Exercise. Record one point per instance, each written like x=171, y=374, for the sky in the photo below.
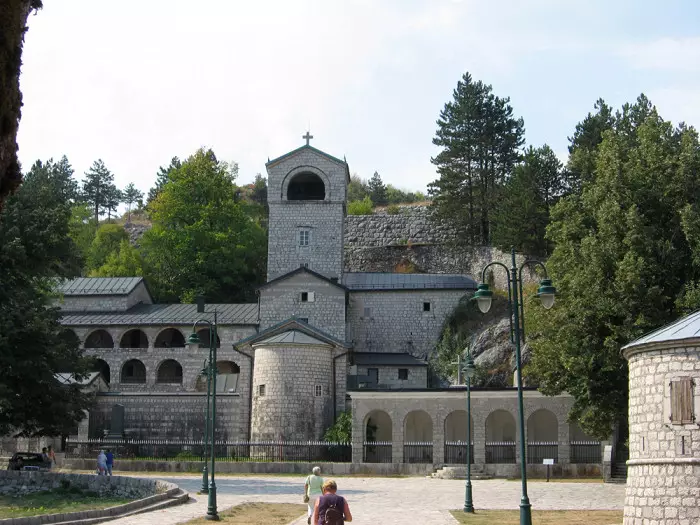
x=137, y=82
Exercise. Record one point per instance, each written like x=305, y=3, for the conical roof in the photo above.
x=291, y=337
x=685, y=328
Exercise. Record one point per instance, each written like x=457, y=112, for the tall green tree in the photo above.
x=107, y=241
x=377, y=190
x=35, y=251
x=98, y=187
x=480, y=140
x=622, y=262
x=202, y=241
x=162, y=178
x=130, y=195
x=357, y=189
x=521, y=216
x=125, y=261
x=112, y=200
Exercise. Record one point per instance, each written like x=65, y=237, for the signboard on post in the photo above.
x=548, y=462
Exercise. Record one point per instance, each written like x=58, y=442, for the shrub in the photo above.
x=393, y=209
x=363, y=207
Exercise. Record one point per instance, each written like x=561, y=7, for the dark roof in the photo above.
x=155, y=314
x=315, y=150
x=99, y=286
x=386, y=359
x=685, y=328
x=293, y=323
x=367, y=281
x=300, y=270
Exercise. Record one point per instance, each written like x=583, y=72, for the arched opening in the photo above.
x=418, y=437
x=170, y=371
x=133, y=371
x=134, y=339
x=228, y=373
x=456, y=438
x=204, y=338
x=306, y=187
x=170, y=338
x=542, y=436
x=377, y=437
x=500, y=437
x=101, y=366
x=582, y=447
x=99, y=339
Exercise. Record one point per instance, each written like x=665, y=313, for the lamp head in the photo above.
x=193, y=339
x=546, y=293
x=483, y=297
x=469, y=368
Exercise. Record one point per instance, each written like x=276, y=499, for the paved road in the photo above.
x=391, y=500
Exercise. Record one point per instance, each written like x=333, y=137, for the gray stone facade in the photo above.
x=106, y=303
x=388, y=376
x=663, y=477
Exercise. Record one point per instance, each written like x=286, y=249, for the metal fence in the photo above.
x=585, y=452
x=456, y=453
x=500, y=452
x=376, y=452
x=190, y=450
x=418, y=452
x=539, y=450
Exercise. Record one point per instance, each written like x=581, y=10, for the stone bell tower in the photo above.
x=306, y=192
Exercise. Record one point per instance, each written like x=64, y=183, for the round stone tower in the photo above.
x=292, y=388
x=663, y=477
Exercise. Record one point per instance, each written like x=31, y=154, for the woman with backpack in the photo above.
x=331, y=509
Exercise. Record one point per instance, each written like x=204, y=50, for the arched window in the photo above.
x=133, y=371
x=170, y=338
x=102, y=367
x=134, y=339
x=227, y=376
x=204, y=338
x=99, y=339
x=170, y=371
x=306, y=187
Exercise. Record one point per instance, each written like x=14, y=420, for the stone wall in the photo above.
x=397, y=321
x=663, y=477
x=388, y=376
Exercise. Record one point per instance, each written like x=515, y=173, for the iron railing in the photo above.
x=585, y=452
x=193, y=450
x=500, y=452
x=418, y=452
x=456, y=453
x=376, y=452
x=537, y=451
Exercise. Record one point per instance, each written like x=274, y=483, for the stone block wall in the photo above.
x=281, y=300
x=397, y=321
x=663, y=476
x=389, y=376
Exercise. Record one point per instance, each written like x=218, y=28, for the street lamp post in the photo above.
x=469, y=370
x=483, y=297
x=212, y=513
x=205, y=473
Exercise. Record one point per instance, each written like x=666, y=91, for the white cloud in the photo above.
x=682, y=54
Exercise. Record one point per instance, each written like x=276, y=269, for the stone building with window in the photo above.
x=319, y=340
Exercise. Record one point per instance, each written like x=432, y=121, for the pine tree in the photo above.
x=114, y=198
x=162, y=178
x=377, y=190
x=130, y=195
x=97, y=187
x=480, y=140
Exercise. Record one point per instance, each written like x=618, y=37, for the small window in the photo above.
x=304, y=237
x=308, y=297
x=318, y=391
x=426, y=306
x=368, y=312
x=682, y=401
x=304, y=320
x=288, y=389
x=403, y=373
x=261, y=390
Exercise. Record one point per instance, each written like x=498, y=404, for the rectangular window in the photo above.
x=261, y=390
x=367, y=312
x=426, y=306
x=308, y=297
x=682, y=401
x=403, y=373
x=318, y=391
x=304, y=237
x=304, y=320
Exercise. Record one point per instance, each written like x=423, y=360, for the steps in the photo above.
x=618, y=472
x=460, y=472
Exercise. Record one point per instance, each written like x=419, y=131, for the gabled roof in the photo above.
x=370, y=281
x=299, y=270
x=386, y=359
x=293, y=323
x=685, y=328
x=165, y=314
x=99, y=286
x=291, y=337
x=343, y=163
x=67, y=378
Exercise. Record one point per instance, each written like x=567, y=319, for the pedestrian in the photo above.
x=331, y=509
x=45, y=458
x=52, y=455
x=110, y=462
x=313, y=489
x=101, y=463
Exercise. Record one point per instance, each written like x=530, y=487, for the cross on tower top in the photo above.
x=308, y=137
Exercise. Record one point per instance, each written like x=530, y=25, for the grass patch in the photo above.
x=541, y=517
x=257, y=514
x=58, y=501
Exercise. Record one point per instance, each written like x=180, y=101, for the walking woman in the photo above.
x=312, y=490
x=330, y=508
